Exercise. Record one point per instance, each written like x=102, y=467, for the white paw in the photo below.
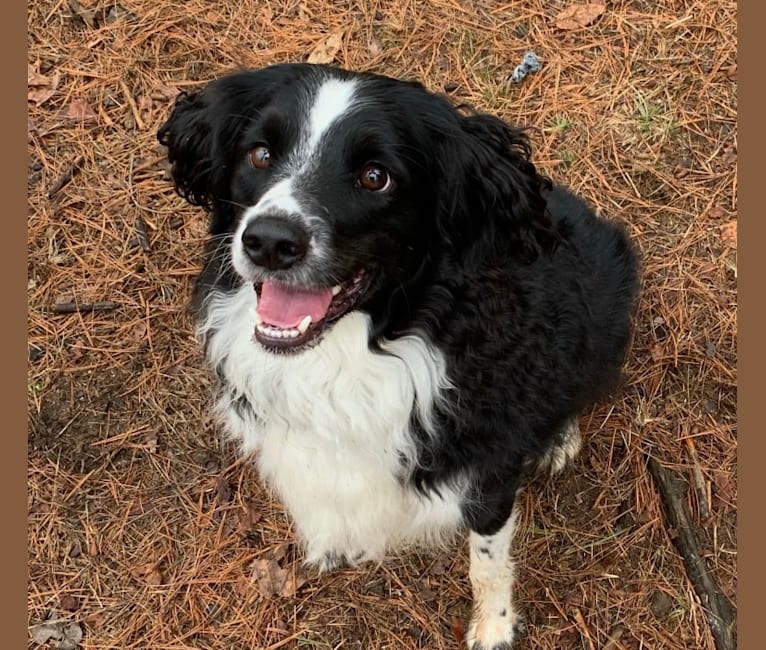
x=560, y=455
x=495, y=632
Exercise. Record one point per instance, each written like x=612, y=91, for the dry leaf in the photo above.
x=376, y=47
x=79, y=110
x=579, y=16
x=248, y=517
x=731, y=72
x=271, y=580
x=458, y=629
x=59, y=635
x=39, y=87
x=223, y=490
x=88, y=16
x=164, y=92
x=657, y=352
x=154, y=577
x=729, y=233
x=327, y=49
x=724, y=486
x=68, y=602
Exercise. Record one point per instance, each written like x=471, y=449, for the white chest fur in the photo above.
x=330, y=428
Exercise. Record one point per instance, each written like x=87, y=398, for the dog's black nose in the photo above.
x=275, y=243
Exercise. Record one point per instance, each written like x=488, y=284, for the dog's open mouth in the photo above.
x=290, y=317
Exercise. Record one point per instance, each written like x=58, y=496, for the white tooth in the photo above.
x=336, y=290
x=304, y=324
x=293, y=333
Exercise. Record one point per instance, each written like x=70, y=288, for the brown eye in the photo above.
x=260, y=157
x=375, y=178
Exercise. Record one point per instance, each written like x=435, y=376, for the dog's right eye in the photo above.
x=260, y=156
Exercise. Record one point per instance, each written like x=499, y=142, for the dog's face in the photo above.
x=329, y=186
x=326, y=182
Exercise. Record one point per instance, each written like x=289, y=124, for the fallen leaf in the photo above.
x=164, y=92
x=724, y=486
x=579, y=16
x=39, y=87
x=271, y=580
x=154, y=577
x=729, y=233
x=59, y=635
x=458, y=629
x=427, y=595
x=68, y=602
x=79, y=110
x=151, y=440
x=376, y=47
x=731, y=72
x=657, y=353
x=139, y=331
x=248, y=517
x=326, y=50
x=88, y=16
x=223, y=490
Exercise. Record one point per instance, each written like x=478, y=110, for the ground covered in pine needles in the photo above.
x=146, y=531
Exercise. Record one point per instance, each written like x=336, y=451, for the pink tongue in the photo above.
x=286, y=307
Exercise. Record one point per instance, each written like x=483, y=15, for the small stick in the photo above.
x=82, y=307
x=132, y=104
x=65, y=177
x=699, y=481
x=718, y=610
x=583, y=627
x=143, y=236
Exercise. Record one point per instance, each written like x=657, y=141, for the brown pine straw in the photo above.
x=144, y=525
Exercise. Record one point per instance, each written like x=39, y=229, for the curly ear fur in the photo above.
x=203, y=131
x=188, y=134
x=493, y=195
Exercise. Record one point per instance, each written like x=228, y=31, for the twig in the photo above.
x=132, y=104
x=65, y=177
x=82, y=307
x=719, y=611
x=699, y=481
x=583, y=628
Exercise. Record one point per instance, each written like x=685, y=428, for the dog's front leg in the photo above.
x=495, y=625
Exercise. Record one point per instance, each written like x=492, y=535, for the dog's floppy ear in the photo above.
x=492, y=195
x=190, y=134
x=203, y=131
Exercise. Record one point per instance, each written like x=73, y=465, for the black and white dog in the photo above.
x=402, y=313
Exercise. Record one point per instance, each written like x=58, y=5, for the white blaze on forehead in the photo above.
x=332, y=100
x=280, y=198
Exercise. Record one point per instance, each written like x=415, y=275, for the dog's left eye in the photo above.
x=374, y=178
x=260, y=156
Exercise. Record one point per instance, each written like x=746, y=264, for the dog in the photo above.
x=403, y=315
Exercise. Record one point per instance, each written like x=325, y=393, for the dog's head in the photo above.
x=337, y=190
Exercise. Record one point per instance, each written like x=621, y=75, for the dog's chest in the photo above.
x=331, y=426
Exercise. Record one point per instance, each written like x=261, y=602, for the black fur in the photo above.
x=527, y=293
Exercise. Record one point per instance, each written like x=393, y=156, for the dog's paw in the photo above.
x=498, y=632
x=564, y=451
x=328, y=561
